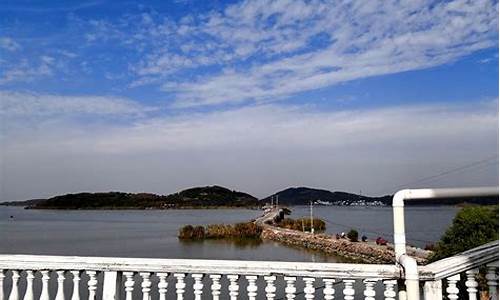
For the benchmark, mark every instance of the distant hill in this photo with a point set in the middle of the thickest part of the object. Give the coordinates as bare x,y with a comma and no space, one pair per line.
209,196
303,196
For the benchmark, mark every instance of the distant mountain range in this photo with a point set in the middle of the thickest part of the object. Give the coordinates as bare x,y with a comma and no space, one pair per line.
217,196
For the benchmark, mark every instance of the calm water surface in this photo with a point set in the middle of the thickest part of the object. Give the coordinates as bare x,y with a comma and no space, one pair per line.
153,233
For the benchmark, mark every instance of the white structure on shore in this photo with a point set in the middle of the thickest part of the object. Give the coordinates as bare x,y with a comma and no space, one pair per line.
28,276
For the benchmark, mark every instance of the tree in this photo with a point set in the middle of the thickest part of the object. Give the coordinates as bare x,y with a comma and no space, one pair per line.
352,235
473,226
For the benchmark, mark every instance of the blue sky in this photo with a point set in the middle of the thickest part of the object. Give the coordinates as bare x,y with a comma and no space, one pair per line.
158,96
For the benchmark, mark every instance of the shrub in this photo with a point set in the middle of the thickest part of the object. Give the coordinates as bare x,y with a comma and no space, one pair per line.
352,235
247,230
472,226
220,231
186,232
199,232
318,224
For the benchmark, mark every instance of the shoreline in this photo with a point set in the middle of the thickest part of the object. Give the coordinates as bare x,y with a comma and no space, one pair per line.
364,252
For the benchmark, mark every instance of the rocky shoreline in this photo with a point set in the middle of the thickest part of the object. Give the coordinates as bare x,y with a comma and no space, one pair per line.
361,252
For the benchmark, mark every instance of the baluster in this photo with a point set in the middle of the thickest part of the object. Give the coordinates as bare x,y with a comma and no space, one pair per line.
60,287
270,287
197,286
348,290
92,284
233,286
471,283
309,288
252,287
180,286
369,292
492,277
328,291
129,284
29,285
290,287
76,285
2,276
14,292
389,292
45,285
146,285
216,286
162,285
452,289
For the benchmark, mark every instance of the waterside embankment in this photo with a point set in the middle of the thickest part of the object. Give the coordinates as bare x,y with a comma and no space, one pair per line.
365,252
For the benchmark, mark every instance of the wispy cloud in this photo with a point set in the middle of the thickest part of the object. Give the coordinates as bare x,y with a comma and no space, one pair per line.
28,105
9,44
26,71
266,50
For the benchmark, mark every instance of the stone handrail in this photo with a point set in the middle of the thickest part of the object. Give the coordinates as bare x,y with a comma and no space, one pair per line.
460,263
223,267
320,280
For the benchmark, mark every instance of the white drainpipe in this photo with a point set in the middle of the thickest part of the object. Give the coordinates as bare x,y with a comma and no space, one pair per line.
409,264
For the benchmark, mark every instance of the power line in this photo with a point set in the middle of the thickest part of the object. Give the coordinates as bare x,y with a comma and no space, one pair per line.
450,171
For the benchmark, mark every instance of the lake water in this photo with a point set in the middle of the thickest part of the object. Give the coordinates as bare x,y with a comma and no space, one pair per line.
153,233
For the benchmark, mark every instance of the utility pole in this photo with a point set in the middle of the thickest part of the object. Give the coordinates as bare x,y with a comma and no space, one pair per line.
272,204
311,213
303,227
277,199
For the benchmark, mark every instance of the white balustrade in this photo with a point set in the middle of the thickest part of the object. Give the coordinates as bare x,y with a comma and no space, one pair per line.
2,276
369,292
146,285
129,284
348,290
309,288
233,286
452,288
328,290
76,285
197,286
162,285
262,278
180,286
251,287
216,286
270,287
28,295
14,293
45,285
471,283
389,292
92,284
492,277
60,283
290,288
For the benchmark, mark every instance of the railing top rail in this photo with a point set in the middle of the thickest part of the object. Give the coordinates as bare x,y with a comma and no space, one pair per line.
461,262
242,267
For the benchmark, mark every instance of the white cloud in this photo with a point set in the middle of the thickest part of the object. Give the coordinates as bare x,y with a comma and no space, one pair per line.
28,105
9,44
361,41
257,149
267,50
25,71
